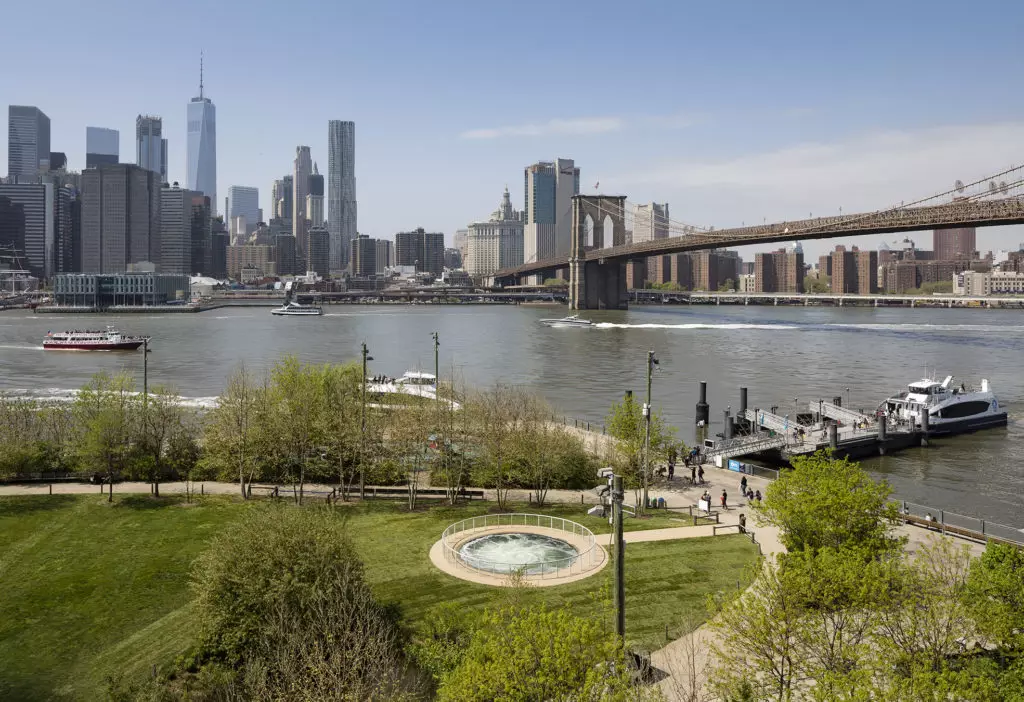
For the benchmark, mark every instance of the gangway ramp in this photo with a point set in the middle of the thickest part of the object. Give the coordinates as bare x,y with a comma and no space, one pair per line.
744,445
840,414
763,418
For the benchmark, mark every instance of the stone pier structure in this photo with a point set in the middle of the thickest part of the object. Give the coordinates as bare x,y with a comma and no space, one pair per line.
596,284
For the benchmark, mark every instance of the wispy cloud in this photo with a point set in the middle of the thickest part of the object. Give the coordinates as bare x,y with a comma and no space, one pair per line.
581,126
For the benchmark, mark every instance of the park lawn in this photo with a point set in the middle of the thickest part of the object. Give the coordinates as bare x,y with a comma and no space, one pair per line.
89,588
667,582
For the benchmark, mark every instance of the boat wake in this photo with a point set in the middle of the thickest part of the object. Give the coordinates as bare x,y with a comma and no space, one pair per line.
613,325
22,347
69,395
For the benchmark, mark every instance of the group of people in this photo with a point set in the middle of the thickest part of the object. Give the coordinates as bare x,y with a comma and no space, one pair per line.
751,495
691,460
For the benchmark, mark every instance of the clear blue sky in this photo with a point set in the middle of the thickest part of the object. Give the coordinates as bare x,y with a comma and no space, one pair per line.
730,111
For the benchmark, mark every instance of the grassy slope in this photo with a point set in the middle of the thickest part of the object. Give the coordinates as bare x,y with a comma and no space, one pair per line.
666,582
89,589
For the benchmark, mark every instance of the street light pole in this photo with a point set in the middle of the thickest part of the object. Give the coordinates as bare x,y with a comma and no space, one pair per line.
145,371
362,429
651,362
620,559
437,370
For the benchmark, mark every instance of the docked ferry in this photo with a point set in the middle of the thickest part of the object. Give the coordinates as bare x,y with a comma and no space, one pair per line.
951,409
109,340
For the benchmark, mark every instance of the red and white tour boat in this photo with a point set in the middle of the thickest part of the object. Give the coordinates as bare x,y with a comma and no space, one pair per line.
109,340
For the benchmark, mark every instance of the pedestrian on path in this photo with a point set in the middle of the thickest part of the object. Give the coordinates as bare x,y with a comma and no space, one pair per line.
700,474
724,505
671,469
693,475
743,485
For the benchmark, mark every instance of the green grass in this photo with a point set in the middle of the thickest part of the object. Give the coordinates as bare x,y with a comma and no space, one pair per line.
667,582
89,589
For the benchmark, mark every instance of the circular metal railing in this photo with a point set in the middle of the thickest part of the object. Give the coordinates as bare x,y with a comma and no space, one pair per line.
589,554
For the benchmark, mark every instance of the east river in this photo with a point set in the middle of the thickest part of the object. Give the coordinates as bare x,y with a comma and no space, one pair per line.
786,356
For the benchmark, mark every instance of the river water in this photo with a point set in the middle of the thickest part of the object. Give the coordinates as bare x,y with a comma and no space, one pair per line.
786,356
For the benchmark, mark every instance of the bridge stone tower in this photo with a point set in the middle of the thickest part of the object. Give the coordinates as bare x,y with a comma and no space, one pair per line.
595,284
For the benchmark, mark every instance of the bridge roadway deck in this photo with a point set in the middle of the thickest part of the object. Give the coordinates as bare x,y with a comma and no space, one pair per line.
986,213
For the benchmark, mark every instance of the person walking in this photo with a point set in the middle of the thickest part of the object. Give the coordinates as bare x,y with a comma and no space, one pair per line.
671,469
693,475
743,485
724,496
700,474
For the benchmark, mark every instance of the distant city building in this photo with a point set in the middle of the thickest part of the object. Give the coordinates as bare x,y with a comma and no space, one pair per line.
287,263
28,142
150,146
318,255
954,244
496,243
219,242
131,289
315,199
102,147
303,169
282,195
461,241
385,255
251,256
201,165
780,271
452,258
36,222
650,222
176,230
747,283
58,161
424,250
909,274
120,218
364,256
990,283
341,189
549,187
244,201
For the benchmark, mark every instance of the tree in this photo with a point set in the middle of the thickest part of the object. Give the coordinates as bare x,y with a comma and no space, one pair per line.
497,415
825,502
729,285
452,465
22,449
538,654
297,401
235,426
626,424
160,420
817,284
283,607
338,422
107,410
995,594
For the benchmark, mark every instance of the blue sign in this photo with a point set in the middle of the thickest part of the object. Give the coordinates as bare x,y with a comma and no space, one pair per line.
735,465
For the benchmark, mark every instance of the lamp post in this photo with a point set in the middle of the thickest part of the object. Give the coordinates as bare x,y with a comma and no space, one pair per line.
437,370
651,363
362,428
848,398
618,493
145,371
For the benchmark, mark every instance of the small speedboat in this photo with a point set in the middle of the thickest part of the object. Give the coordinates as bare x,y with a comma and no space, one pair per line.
294,309
571,321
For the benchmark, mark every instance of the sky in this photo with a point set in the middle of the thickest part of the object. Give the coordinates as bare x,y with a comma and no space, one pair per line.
732,112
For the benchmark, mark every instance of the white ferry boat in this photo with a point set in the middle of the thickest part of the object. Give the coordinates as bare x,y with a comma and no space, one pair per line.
951,409
109,340
570,321
294,309
412,383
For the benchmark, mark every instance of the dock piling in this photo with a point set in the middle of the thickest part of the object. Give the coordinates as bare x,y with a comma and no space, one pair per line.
833,436
703,413
924,426
727,431
882,428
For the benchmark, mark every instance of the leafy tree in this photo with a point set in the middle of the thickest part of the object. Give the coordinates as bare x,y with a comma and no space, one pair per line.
283,607
728,285
234,429
555,282
626,424
161,420
830,503
297,402
496,416
538,654
107,410
995,594
817,284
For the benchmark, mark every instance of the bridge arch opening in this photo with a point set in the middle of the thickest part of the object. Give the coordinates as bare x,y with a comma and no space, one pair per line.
608,231
588,232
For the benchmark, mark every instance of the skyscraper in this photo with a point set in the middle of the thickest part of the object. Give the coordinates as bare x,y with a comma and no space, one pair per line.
497,243
176,230
201,171
364,256
341,189
37,216
300,188
120,218
28,141
150,146
244,201
315,199
549,187
102,146
954,243
422,249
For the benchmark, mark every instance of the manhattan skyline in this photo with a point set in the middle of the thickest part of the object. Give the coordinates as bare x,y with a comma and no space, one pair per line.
730,115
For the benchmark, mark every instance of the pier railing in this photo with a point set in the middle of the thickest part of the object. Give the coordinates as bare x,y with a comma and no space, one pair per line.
946,522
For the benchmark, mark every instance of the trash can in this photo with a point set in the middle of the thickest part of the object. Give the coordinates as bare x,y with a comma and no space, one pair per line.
661,503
